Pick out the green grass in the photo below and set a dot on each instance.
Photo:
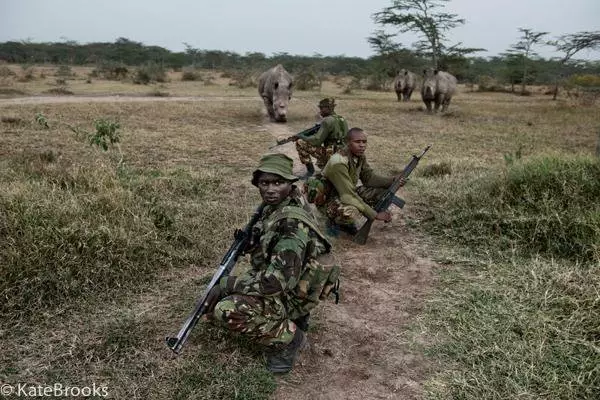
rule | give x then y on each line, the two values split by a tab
516	311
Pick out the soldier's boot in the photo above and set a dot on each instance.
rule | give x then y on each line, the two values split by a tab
281	360
310	170
350	229
302	322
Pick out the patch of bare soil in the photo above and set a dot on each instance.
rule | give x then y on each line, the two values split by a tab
360	348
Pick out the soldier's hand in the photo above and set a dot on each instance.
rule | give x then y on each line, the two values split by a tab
384	216
212	299
402	180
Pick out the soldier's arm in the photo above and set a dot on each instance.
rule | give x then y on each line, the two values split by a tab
321	135
369	178
337	174
283	272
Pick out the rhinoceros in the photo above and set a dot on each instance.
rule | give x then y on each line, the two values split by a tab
275	88
404	84
438	87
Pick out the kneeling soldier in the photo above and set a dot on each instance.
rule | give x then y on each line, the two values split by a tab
292	269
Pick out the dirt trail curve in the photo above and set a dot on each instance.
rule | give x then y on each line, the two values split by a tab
359	349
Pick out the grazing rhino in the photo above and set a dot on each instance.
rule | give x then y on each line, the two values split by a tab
438	87
275	88
404	84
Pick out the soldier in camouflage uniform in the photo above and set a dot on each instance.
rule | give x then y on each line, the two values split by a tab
326	140
346	203
292	269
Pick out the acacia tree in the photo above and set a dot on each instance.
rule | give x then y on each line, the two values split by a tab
524	48
572	44
425	18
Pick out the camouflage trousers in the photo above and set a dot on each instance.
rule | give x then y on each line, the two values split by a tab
345	214
321	153
264	319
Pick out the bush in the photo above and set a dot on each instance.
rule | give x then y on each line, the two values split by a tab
307	80
487	83
547	206
64	71
190	75
243	79
110	71
6	72
150	72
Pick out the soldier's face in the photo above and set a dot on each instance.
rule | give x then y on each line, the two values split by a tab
324	111
273	188
357	143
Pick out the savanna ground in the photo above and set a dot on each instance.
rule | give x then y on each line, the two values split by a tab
102	260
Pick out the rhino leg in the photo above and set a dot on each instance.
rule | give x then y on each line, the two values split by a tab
445	104
269	106
399	95
428	105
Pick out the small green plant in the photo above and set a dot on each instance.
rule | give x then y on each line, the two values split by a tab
42	120
510	158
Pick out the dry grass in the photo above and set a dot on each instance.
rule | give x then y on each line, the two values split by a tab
172	149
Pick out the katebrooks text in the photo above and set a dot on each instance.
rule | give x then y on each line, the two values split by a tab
54	390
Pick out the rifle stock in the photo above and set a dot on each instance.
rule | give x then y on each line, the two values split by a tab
388	198
175	343
307	132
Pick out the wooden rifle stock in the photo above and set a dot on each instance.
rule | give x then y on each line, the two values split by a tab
388	198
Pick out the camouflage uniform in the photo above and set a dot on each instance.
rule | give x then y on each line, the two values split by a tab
326	140
289	276
346	203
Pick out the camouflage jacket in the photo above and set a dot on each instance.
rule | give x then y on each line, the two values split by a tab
332	131
284	258
344	170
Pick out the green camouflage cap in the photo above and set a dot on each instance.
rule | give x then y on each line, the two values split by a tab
327	102
276	163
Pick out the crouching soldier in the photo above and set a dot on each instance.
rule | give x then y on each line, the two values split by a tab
346	203
292	269
325	141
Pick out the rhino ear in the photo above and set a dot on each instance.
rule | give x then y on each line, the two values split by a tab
290	85
405	72
276	85
435	71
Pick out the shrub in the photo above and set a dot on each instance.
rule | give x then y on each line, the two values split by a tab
151	72
6	72
547	206
110	71
436	169
190	75
243	79
486	83
64	71
307	80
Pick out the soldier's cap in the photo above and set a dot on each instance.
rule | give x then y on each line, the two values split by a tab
327	102
275	163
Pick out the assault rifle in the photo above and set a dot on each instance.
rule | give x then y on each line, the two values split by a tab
242	237
306	132
389	198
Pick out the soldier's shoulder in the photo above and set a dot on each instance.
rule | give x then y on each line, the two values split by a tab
338	158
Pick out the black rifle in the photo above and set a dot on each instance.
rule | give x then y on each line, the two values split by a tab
388	198
306	132
242	238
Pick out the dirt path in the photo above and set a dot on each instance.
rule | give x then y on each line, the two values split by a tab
359	350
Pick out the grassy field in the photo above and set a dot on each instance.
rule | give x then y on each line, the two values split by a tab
100	260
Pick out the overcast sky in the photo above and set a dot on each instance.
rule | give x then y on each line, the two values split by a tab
327	27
